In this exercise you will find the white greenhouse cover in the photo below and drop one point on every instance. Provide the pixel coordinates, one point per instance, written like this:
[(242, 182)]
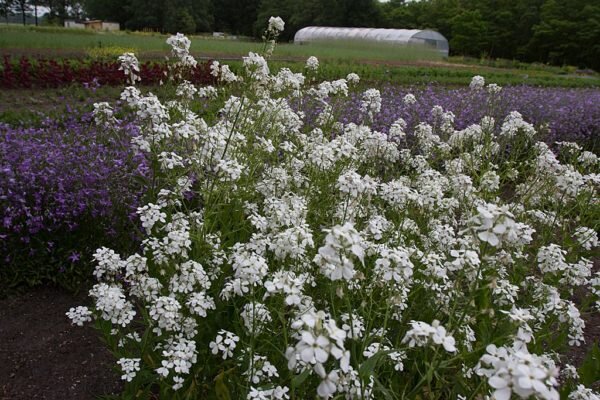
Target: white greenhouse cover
[(392, 36)]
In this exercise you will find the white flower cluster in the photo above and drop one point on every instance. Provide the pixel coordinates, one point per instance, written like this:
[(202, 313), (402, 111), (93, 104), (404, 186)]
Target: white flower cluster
[(225, 343), (180, 48), (422, 334), (103, 114), (341, 242), (179, 354), (478, 227), (371, 102), (130, 368), (319, 339), (496, 225), (312, 63), (130, 67), (276, 25), (583, 393), (477, 82), (79, 315), (513, 370)]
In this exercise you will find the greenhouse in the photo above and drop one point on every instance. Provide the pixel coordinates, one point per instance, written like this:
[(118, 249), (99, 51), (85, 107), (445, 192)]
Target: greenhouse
[(416, 37)]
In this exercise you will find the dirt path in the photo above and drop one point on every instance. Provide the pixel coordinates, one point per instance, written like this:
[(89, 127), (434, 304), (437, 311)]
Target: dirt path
[(43, 357)]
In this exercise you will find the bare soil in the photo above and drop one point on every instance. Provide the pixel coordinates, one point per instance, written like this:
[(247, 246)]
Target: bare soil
[(42, 356)]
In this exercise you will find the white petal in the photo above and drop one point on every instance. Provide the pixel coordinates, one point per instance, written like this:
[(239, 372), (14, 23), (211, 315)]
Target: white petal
[(502, 394), (497, 383)]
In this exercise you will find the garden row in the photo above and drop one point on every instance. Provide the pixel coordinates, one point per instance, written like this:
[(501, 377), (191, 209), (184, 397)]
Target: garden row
[(99, 66), (27, 72), (64, 176)]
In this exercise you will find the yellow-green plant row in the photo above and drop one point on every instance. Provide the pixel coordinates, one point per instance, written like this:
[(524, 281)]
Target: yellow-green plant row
[(287, 259)]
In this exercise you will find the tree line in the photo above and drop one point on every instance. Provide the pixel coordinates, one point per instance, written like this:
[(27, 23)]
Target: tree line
[(560, 32)]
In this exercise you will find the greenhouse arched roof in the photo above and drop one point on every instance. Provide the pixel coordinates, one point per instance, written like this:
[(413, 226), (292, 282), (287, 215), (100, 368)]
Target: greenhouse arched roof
[(418, 37)]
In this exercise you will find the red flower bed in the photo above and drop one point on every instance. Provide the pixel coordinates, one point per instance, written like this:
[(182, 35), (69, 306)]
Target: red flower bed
[(43, 73)]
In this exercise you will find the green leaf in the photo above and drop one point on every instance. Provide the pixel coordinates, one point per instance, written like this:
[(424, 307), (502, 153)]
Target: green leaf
[(589, 372), (299, 379), (368, 367), (221, 388)]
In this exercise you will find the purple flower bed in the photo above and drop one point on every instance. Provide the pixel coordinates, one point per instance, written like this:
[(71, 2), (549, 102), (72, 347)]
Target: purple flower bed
[(66, 187), (571, 114)]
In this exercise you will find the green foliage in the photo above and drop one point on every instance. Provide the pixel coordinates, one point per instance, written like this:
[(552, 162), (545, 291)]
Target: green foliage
[(468, 32), (551, 31), (180, 20), (589, 372)]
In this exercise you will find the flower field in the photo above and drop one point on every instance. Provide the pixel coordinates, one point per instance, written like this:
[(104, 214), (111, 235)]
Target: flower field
[(65, 187), (276, 236)]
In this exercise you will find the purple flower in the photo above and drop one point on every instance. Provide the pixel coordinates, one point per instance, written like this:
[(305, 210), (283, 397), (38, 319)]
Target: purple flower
[(569, 114), (66, 187)]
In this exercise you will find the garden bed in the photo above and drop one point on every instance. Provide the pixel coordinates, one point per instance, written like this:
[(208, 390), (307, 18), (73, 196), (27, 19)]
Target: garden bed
[(44, 357)]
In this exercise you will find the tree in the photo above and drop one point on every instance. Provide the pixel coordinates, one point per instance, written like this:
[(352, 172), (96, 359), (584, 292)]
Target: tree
[(23, 7), (235, 16), (145, 14), (179, 20), (468, 33), (6, 8), (110, 10)]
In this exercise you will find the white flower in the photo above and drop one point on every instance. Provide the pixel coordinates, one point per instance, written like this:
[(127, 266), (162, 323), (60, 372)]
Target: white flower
[(200, 303), (583, 393), (409, 99), (477, 82), (261, 370), (207, 92), (587, 237), (514, 370), (371, 102), (496, 225), (494, 89), (327, 387), (514, 124), (129, 366), (490, 182), (394, 265), (354, 325), (186, 90), (225, 342), (551, 258), (165, 311), (340, 242), (353, 78), (103, 114), (396, 131), (150, 214), (277, 393), (179, 354), (130, 67), (255, 317), (422, 334), (256, 66), (111, 303), (180, 45), (276, 25), (312, 63), (79, 315), (319, 339)]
